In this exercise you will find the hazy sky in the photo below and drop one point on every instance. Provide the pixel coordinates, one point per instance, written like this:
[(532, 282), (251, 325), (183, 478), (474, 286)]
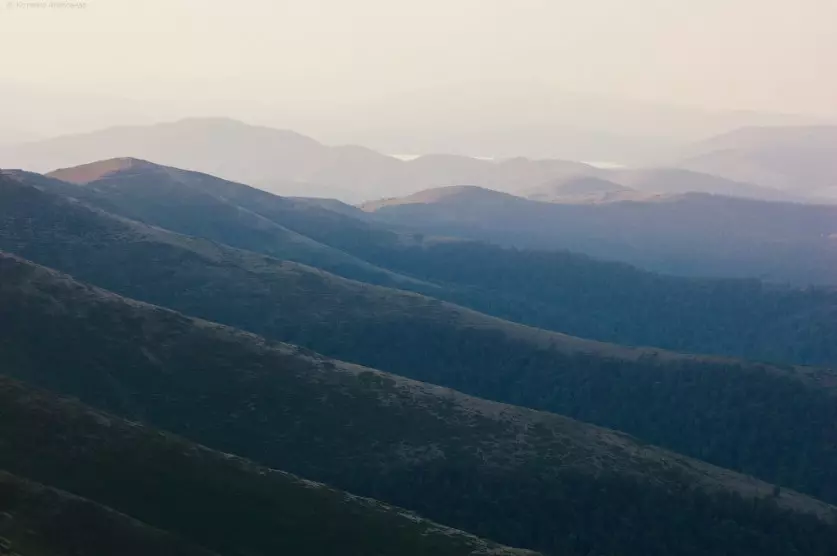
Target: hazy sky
[(760, 54), (338, 68)]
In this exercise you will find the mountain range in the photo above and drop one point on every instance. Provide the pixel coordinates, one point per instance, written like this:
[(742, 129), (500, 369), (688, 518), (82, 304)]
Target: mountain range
[(529, 117), (536, 478), (557, 291), (288, 163), (791, 158), (164, 406), (427, 339), (687, 234)]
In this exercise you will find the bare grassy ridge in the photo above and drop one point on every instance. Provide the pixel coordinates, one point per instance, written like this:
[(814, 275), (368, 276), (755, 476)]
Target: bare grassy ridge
[(522, 477)]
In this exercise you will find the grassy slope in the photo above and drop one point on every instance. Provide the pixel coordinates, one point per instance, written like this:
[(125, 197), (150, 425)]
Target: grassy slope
[(523, 477), (559, 291), (214, 499), (709, 408), (177, 200)]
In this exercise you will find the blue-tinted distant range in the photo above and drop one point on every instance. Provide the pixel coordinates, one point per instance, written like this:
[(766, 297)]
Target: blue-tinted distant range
[(289, 163)]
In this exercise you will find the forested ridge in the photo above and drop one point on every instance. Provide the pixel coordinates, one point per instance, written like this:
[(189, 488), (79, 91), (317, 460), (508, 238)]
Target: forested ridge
[(561, 291), (211, 499), (730, 413), (523, 478)]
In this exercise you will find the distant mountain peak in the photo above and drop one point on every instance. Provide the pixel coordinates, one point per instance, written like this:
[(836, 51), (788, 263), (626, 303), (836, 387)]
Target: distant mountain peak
[(220, 124)]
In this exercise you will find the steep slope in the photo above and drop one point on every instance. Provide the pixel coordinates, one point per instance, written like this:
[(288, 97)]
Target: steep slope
[(705, 407), (694, 234), (798, 159), (538, 479), (40, 521)]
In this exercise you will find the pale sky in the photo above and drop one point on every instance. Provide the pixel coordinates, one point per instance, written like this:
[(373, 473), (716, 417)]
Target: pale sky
[(766, 55)]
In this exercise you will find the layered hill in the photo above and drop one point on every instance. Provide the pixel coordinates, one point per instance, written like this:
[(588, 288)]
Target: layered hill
[(288, 163), (706, 407), (213, 499), (677, 181), (799, 159), (638, 184), (281, 161), (540, 480), (693, 234), (201, 205), (557, 291)]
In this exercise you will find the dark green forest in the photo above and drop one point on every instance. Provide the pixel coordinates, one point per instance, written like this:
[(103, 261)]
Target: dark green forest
[(618, 303), (567, 490)]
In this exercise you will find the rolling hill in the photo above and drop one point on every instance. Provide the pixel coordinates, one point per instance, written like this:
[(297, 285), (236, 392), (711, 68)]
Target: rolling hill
[(202, 205), (677, 181), (642, 184), (280, 161), (291, 164), (797, 159), (537, 479), (693, 234), (558, 291), (711, 408)]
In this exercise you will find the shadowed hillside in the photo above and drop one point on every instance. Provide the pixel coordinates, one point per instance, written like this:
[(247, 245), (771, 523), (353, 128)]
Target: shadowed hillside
[(705, 407), (186, 202), (215, 500), (40, 521), (523, 477), (554, 290), (690, 234)]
